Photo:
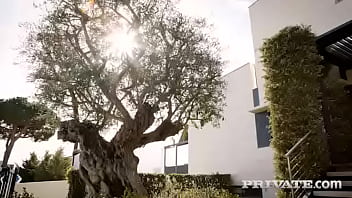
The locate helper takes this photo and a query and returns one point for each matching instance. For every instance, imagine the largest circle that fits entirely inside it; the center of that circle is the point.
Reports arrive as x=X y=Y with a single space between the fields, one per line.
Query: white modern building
x=240 y=146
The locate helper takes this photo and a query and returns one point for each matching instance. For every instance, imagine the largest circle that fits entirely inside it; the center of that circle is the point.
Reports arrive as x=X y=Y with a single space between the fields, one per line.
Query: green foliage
x=292 y=73
x=184 y=136
x=208 y=192
x=172 y=77
x=173 y=191
x=196 y=186
x=159 y=184
x=24 y=194
x=50 y=168
x=22 y=119
x=31 y=120
x=176 y=65
x=58 y=165
x=193 y=187
x=129 y=194
x=28 y=168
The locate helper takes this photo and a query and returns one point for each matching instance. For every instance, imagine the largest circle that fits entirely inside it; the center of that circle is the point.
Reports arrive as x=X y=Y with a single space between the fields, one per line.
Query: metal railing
x=295 y=165
x=7 y=181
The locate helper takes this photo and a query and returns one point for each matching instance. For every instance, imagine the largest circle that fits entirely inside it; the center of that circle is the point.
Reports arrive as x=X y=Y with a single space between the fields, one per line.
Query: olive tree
x=141 y=65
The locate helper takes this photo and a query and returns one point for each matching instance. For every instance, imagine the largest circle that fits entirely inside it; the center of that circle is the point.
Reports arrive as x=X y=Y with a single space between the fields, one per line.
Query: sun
x=121 y=42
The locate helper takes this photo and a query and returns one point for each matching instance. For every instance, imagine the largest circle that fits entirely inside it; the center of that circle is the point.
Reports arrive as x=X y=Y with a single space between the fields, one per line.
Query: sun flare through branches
x=121 y=42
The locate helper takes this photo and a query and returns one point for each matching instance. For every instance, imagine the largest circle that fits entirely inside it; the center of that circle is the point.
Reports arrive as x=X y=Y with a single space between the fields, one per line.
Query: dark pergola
x=336 y=47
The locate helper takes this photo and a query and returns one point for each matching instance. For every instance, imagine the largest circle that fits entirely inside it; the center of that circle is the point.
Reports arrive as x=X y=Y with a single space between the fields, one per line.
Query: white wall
x=269 y=16
x=232 y=148
x=52 y=189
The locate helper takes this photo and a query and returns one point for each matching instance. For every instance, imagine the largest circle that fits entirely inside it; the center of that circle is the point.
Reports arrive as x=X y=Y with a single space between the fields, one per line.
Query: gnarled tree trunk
x=8 y=149
x=108 y=168
x=9 y=146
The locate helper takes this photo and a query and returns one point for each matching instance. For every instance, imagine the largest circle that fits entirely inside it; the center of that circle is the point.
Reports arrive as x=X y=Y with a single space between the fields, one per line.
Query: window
x=262 y=128
x=176 y=158
x=255 y=93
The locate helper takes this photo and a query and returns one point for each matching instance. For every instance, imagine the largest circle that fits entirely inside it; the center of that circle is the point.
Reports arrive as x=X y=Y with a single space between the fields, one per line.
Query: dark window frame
x=262 y=129
x=255 y=93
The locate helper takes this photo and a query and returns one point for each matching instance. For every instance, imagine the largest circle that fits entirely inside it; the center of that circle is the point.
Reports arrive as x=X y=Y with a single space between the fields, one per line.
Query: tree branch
x=7 y=142
x=98 y=107
x=22 y=132
x=103 y=86
x=116 y=101
x=121 y=15
x=74 y=104
x=166 y=129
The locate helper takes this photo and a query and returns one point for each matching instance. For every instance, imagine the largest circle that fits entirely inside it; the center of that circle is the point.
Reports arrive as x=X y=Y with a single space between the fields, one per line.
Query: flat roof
x=336 y=46
x=253 y=3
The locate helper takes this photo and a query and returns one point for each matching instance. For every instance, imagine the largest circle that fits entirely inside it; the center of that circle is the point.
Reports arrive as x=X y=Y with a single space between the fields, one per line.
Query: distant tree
x=28 y=168
x=32 y=163
x=22 y=119
x=42 y=172
x=59 y=165
x=50 y=168
x=139 y=64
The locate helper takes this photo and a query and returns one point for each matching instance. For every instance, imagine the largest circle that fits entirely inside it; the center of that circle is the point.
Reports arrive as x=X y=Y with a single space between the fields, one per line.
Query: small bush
x=24 y=194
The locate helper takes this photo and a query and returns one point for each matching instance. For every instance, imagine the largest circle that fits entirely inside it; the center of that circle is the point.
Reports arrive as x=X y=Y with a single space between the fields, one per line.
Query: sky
x=231 y=26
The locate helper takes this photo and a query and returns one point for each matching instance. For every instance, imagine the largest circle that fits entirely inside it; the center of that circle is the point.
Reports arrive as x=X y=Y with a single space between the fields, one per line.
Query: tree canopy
x=22 y=119
x=172 y=64
x=140 y=64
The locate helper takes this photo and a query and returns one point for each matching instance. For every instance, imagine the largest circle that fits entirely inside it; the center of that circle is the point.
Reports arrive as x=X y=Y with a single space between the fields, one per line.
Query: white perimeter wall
x=269 y=16
x=49 y=189
x=232 y=148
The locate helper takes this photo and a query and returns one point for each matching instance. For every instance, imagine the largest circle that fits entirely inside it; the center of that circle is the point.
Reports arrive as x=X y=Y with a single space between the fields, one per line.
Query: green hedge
x=155 y=183
x=292 y=86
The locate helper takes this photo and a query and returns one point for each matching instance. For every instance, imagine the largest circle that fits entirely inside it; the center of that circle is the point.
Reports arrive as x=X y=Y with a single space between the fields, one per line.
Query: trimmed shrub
x=293 y=76
x=157 y=183
x=175 y=189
